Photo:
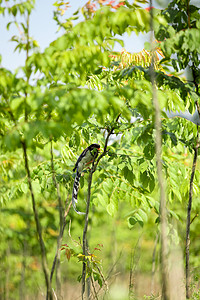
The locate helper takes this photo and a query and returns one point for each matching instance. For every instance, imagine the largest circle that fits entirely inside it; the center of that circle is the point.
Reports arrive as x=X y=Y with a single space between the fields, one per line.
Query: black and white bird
x=87 y=156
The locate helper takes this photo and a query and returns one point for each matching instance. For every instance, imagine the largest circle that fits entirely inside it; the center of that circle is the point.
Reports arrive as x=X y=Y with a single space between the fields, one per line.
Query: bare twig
x=194 y=218
x=109 y=274
x=102 y=276
x=69 y=206
x=94 y=289
x=158 y=147
x=114 y=265
x=60 y=239
x=110 y=132
x=56 y=298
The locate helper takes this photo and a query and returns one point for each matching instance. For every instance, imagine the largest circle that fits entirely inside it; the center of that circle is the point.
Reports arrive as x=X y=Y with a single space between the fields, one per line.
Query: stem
x=59 y=240
x=38 y=225
x=62 y=224
x=104 y=279
x=110 y=132
x=187 y=247
x=189 y=217
x=158 y=148
x=131 y=285
x=85 y=231
x=93 y=285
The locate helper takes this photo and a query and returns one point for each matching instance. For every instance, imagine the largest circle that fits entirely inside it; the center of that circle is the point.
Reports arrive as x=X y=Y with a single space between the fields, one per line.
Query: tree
x=80 y=91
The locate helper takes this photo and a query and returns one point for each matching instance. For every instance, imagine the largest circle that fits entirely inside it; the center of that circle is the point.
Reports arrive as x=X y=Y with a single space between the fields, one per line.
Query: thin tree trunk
x=163 y=214
x=61 y=229
x=84 y=269
x=187 y=248
x=38 y=226
x=189 y=219
x=158 y=148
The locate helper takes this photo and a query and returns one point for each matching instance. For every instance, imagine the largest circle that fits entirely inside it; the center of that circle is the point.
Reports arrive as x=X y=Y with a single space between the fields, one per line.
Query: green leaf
x=128 y=174
x=36 y=186
x=108 y=186
x=24 y=187
x=16 y=102
x=131 y=221
x=149 y=151
x=111 y=209
x=97 y=277
x=103 y=199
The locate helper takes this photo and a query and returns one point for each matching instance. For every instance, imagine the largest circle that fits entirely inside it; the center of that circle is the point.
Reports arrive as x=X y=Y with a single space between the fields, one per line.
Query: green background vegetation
x=68 y=97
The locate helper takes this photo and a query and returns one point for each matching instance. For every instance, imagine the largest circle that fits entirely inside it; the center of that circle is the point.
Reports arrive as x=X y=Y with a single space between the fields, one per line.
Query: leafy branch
x=93 y=169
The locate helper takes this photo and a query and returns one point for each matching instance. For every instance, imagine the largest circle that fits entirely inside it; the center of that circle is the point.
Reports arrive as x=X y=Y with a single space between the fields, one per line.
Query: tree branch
x=110 y=132
x=93 y=169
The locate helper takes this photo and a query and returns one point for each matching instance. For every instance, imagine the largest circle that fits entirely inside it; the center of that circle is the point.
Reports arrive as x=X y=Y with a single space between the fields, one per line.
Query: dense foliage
x=69 y=96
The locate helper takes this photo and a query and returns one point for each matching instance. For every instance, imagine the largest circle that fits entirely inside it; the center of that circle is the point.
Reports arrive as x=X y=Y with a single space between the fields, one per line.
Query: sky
x=44 y=29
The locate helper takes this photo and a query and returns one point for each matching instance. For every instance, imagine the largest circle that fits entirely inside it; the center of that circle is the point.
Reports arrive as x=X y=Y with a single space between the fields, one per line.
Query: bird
x=87 y=156
x=195 y=118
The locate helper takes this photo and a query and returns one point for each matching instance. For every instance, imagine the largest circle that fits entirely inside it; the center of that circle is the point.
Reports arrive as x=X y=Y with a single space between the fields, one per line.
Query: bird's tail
x=75 y=192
